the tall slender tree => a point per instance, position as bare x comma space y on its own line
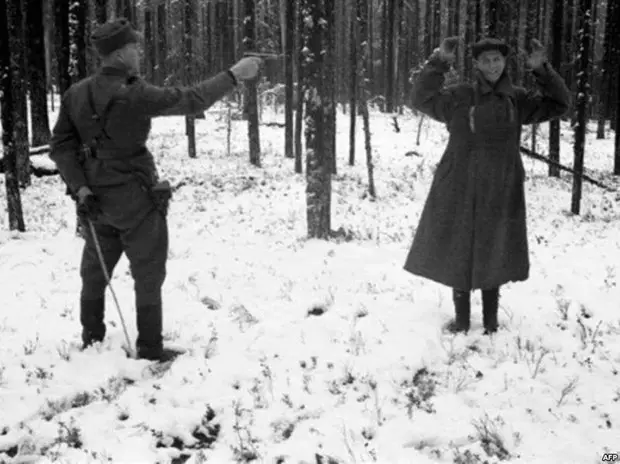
16, 28
8, 113
62, 44
318, 160
249, 44
299, 63
583, 93
188, 74
289, 65
37, 78
556, 62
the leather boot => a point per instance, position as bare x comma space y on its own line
462, 308
149, 344
91, 318
490, 302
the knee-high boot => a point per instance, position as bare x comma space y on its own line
462, 309
490, 302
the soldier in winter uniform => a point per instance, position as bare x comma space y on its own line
472, 232
99, 147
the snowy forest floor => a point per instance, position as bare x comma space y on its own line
372, 379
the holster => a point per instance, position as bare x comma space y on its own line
161, 194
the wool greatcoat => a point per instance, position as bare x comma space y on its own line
472, 232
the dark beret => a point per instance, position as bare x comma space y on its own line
114, 35
488, 44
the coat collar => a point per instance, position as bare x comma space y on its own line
117, 71
502, 87
113, 71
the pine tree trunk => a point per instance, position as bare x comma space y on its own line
80, 10
299, 110
61, 25
162, 44
556, 62
249, 38
19, 84
617, 137
389, 55
329, 81
289, 36
149, 47
37, 78
190, 120
363, 64
607, 71
8, 114
353, 94
582, 102
318, 168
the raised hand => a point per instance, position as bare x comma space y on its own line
246, 68
447, 49
537, 57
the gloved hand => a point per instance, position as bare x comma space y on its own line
88, 204
447, 49
537, 58
246, 68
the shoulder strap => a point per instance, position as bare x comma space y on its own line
103, 118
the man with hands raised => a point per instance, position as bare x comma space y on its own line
99, 147
472, 231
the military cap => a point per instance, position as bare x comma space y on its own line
114, 35
487, 44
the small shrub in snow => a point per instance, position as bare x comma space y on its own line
419, 391
245, 448
208, 431
532, 354
569, 388
64, 351
490, 439
467, 457
31, 346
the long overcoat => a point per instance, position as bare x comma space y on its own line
472, 232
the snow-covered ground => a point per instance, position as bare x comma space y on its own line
266, 379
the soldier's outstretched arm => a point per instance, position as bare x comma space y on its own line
65, 147
179, 101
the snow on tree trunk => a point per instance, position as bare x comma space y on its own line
556, 62
583, 92
249, 37
9, 161
316, 94
79, 10
37, 79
